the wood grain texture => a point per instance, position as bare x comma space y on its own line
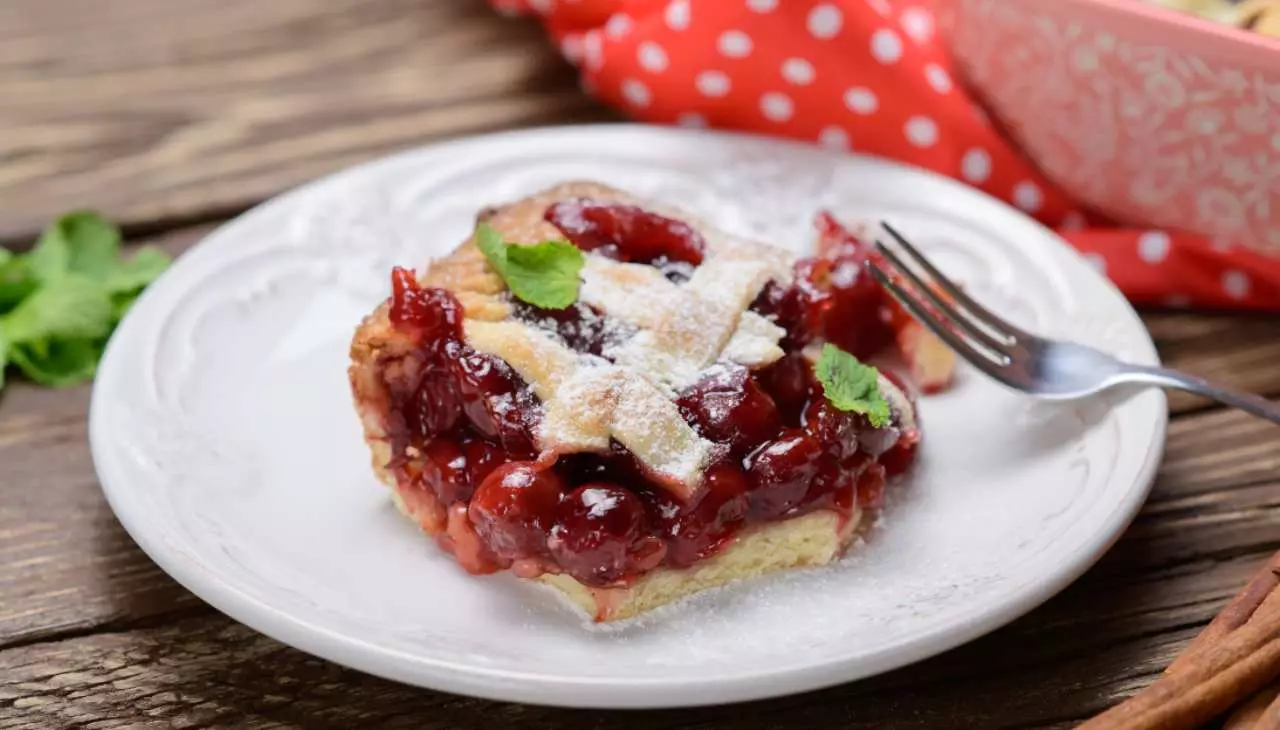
155, 110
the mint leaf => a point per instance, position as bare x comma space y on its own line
544, 274
82, 242
16, 280
851, 386
72, 307
58, 363
141, 269
4, 357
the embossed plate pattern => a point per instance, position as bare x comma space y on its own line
223, 433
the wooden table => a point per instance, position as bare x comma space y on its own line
172, 115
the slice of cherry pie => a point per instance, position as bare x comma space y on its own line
612, 398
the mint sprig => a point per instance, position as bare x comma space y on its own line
60, 302
543, 274
851, 386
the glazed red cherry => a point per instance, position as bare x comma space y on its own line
790, 382
836, 430
580, 325
601, 535
901, 455
482, 458
432, 313
857, 317
780, 473
444, 469
730, 407
436, 407
626, 232
515, 507
871, 487
696, 531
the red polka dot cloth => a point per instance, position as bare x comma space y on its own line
871, 76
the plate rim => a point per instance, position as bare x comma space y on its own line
606, 693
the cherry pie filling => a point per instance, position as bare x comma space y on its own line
462, 423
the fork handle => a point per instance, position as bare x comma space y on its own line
1165, 378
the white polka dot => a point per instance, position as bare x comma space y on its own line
1177, 301
762, 6
712, 83
692, 120
677, 14
1236, 284
1098, 263
571, 48
918, 23
921, 131
618, 26
861, 100
777, 106
542, 7
975, 166
593, 50
1153, 246
734, 44
938, 78
636, 92
834, 138
651, 57
886, 46
797, 71
1027, 195
825, 21
1073, 221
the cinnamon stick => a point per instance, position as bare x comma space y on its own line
1262, 712
1235, 656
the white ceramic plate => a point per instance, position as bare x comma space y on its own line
224, 436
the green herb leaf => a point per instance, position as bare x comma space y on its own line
58, 363
16, 280
140, 270
851, 386
72, 307
82, 242
544, 274
4, 357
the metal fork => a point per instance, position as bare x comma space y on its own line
1023, 361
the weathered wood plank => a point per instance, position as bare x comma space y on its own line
211, 107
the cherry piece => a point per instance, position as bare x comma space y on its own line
871, 487
902, 454
580, 325
698, 530
514, 508
838, 431
780, 473
444, 470
601, 535
626, 232
790, 382
728, 406
482, 458
433, 314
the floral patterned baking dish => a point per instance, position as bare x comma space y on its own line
1148, 115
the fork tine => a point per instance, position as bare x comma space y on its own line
979, 358
970, 328
978, 313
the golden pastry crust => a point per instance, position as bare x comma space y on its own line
381, 357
